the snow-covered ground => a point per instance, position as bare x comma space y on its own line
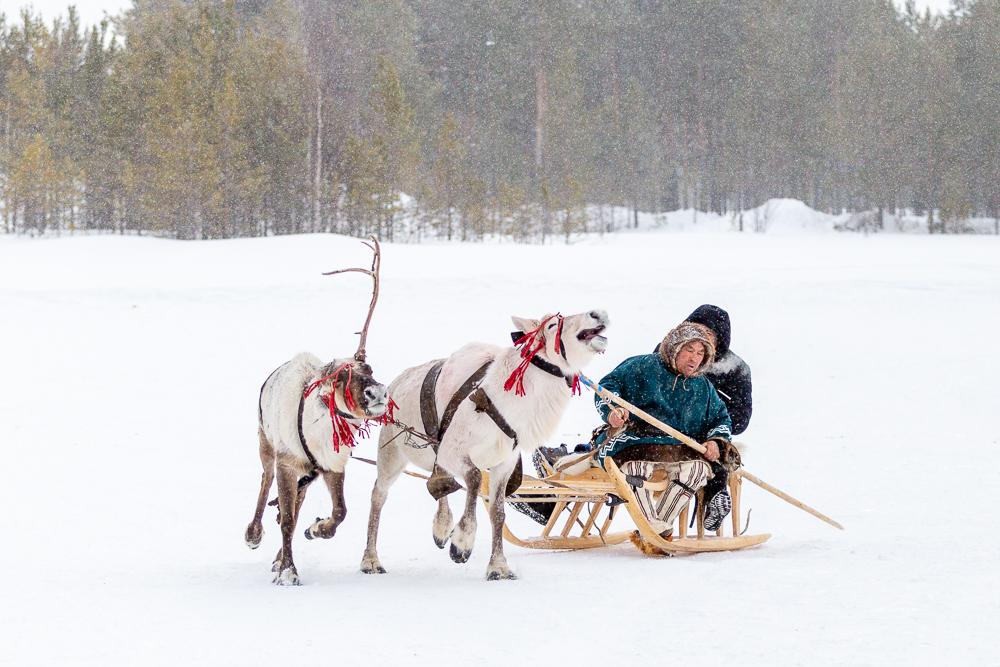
131, 368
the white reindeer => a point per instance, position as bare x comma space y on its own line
516, 407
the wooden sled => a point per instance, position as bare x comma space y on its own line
580, 502
581, 515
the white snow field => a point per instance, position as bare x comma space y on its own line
130, 373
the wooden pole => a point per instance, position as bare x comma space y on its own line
405, 472
642, 414
787, 498
698, 447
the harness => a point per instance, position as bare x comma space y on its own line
485, 404
435, 429
307, 479
440, 483
470, 389
572, 382
343, 425
314, 471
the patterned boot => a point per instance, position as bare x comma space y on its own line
717, 509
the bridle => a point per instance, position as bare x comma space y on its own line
531, 343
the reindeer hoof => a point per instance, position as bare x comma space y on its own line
442, 542
253, 535
321, 529
459, 555
287, 577
371, 565
500, 575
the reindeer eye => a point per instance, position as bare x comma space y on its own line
552, 326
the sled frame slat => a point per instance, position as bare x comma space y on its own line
571, 520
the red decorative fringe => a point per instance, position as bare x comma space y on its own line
390, 414
343, 435
576, 390
531, 343
344, 432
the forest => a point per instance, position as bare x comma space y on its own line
415, 119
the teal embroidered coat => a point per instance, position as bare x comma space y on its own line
690, 405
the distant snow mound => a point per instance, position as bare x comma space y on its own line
788, 216
776, 216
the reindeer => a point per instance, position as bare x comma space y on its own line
497, 403
309, 416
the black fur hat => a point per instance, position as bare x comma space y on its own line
717, 320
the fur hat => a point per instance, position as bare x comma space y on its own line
717, 320
684, 333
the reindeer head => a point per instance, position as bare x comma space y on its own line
353, 388
569, 342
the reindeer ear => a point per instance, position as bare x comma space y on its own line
524, 323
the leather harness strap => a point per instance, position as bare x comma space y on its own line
485, 404
311, 475
460, 395
428, 404
540, 363
551, 369
470, 389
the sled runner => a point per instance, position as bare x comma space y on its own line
586, 504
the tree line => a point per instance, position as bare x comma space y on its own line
213, 119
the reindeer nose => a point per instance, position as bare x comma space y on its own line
375, 393
599, 315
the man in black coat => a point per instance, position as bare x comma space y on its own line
731, 377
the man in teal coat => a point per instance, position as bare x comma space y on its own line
669, 386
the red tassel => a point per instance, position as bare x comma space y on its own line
531, 343
348, 398
576, 390
342, 434
390, 414
341, 428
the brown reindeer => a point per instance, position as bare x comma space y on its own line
309, 416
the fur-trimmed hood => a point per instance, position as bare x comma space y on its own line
684, 333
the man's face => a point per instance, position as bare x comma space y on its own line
690, 357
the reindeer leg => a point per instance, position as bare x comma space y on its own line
391, 463
300, 497
287, 502
498, 568
327, 528
255, 530
442, 523
465, 532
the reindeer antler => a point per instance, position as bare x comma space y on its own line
376, 263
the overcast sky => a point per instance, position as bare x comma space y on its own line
92, 11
